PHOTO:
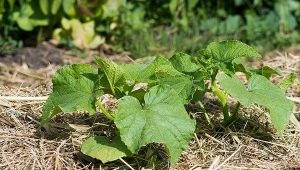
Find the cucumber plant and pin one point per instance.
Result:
(157, 113)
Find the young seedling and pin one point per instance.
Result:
(156, 114)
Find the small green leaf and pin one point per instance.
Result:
(160, 67)
(241, 68)
(44, 5)
(183, 63)
(113, 72)
(50, 109)
(69, 7)
(11, 3)
(181, 84)
(158, 64)
(101, 148)
(173, 5)
(266, 71)
(287, 81)
(75, 88)
(55, 6)
(25, 24)
(162, 119)
(227, 51)
(166, 70)
(133, 72)
(262, 92)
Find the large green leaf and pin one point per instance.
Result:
(161, 119)
(101, 148)
(227, 51)
(113, 72)
(183, 63)
(75, 88)
(262, 92)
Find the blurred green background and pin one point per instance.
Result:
(148, 27)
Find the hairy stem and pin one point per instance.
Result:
(226, 114)
(234, 115)
(236, 110)
(205, 114)
(104, 111)
(214, 75)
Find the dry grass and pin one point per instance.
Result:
(248, 144)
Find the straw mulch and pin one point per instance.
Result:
(248, 144)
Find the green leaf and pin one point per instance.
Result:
(25, 24)
(287, 81)
(11, 3)
(55, 6)
(183, 63)
(227, 51)
(173, 5)
(266, 71)
(111, 8)
(160, 67)
(113, 72)
(50, 109)
(101, 148)
(69, 7)
(133, 72)
(262, 92)
(241, 68)
(44, 5)
(166, 70)
(75, 88)
(162, 119)
(181, 84)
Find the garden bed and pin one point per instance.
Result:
(248, 144)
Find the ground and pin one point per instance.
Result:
(248, 144)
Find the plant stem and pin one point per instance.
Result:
(234, 115)
(236, 110)
(104, 111)
(205, 114)
(226, 114)
(213, 76)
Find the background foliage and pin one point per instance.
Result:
(149, 27)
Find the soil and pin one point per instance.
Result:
(249, 143)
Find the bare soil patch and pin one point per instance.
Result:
(249, 143)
